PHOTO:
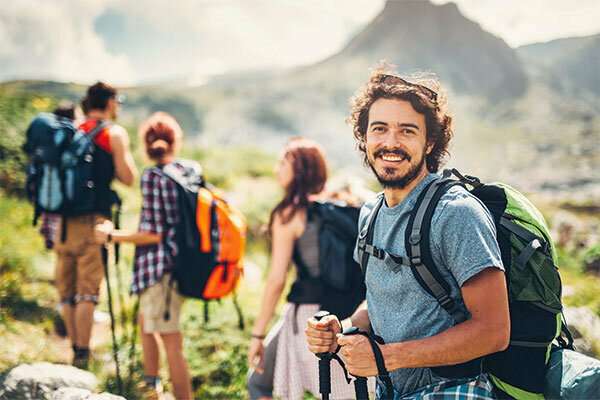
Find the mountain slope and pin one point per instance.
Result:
(417, 35)
(570, 64)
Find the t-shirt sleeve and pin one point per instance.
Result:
(467, 233)
(151, 218)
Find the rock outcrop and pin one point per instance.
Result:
(47, 381)
(584, 325)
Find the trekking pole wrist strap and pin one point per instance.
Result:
(382, 372)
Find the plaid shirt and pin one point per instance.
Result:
(159, 215)
(479, 388)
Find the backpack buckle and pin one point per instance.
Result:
(414, 238)
(445, 301)
(416, 261)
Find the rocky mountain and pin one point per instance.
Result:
(417, 35)
(571, 66)
(520, 115)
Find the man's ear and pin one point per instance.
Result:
(429, 148)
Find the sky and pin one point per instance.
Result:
(139, 42)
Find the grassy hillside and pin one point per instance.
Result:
(216, 349)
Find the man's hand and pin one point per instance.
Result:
(358, 355)
(101, 231)
(321, 335)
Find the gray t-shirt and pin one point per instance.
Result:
(463, 243)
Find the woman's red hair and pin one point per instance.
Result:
(310, 175)
(159, 133)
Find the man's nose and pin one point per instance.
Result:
(393, 138)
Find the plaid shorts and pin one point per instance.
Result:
(480, 388)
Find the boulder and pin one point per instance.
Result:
(585, 327)
(82, 394)
(47, 381)
(70, 394)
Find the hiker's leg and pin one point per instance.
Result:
(90, 271)
(178, 367)
(260, 386)
(68, 309)
(65, 278)
(149, 349)
(84, 319)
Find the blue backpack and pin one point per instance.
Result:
(59, 176)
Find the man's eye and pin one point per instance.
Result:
(378, 129)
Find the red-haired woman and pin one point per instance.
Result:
(154, 256)
(283, 364)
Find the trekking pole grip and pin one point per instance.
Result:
(360, 382)
(324, 365)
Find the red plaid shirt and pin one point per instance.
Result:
(159, 215)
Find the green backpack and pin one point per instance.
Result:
(533, 283)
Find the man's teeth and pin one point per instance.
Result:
(392, 158)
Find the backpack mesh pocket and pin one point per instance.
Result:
(537, 281)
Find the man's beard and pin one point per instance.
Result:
(402, 181)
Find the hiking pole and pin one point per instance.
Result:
(360, 382)
(324, 366)
(112, 317)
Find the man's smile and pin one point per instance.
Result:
(392, 157)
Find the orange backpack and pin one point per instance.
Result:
(210, 237)
(222, 230)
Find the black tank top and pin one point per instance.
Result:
(307, 288)
(103, 170)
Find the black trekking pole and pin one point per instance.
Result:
(112, 318)
(324, 366)
(360, 382)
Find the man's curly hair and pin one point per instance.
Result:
(437, 118)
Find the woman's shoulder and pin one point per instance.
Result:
(154, 176)
(283, 219)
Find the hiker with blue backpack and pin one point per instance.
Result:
(70, 174)
(436, 254)
(155, 255)
(280, 363)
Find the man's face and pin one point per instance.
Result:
(113, 108)
(396, 142)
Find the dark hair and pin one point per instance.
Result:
(437, 118)
(84, 105)
(159, 133)
(98, 95)
(310, 175)
(65, 109)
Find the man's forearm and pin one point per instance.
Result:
(461, 343)
(360, 319)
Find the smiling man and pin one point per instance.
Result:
(403, 130)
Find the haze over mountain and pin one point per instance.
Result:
(576, 60)
(420, 35)
(515, 122)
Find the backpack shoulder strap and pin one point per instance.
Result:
(419, 251)
(365, 238)
(98, 129)
(172, 172)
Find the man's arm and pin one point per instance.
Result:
(486, 332)
(125, 169)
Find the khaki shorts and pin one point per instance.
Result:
(153, 306)
(79, 268)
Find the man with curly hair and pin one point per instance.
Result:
(403, 130)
